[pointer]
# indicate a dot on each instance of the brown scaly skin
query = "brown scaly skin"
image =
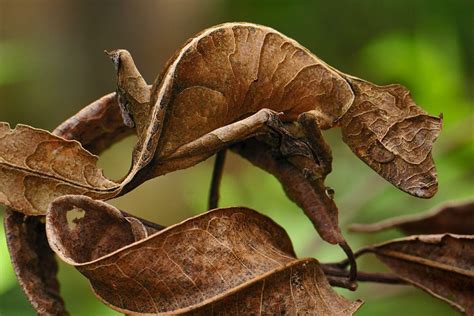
(381, 124)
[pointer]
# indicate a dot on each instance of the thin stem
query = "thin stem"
(341, 282)
(333, 272)
(216, 179)
(377, 277)
(351, 261)
(348, 261)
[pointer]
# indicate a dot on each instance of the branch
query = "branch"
(339, 277)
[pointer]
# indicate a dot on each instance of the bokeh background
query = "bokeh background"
(52, 64)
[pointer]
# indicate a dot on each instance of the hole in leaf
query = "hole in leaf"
(74, 216)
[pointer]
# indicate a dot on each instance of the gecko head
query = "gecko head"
(387, 130)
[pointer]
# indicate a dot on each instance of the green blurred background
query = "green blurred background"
(51, 64)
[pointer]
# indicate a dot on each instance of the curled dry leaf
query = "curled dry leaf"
(36, 167)
(225, 260)
(32, 259)
(33, 262)
(442, 265)
(97, 126)
(298, 288)
(452, 217)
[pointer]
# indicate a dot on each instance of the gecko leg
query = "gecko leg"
(321, 149)
(209, 144)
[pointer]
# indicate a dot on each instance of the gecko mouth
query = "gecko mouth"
(411, 170)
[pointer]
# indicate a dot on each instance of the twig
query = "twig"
(216, 179)
(338, 277)
(351, 261)
(342, 282)
(348, 261)
(378, 277)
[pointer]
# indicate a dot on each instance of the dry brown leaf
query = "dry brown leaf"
(452, 217)
(97, 126)
(33, 262)
(442, 265)
(220, 257)
(36, 167)
(298, 288)
(32, 259)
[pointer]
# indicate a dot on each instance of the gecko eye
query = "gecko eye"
(330, 192)
(379, 153)
(388, 131)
